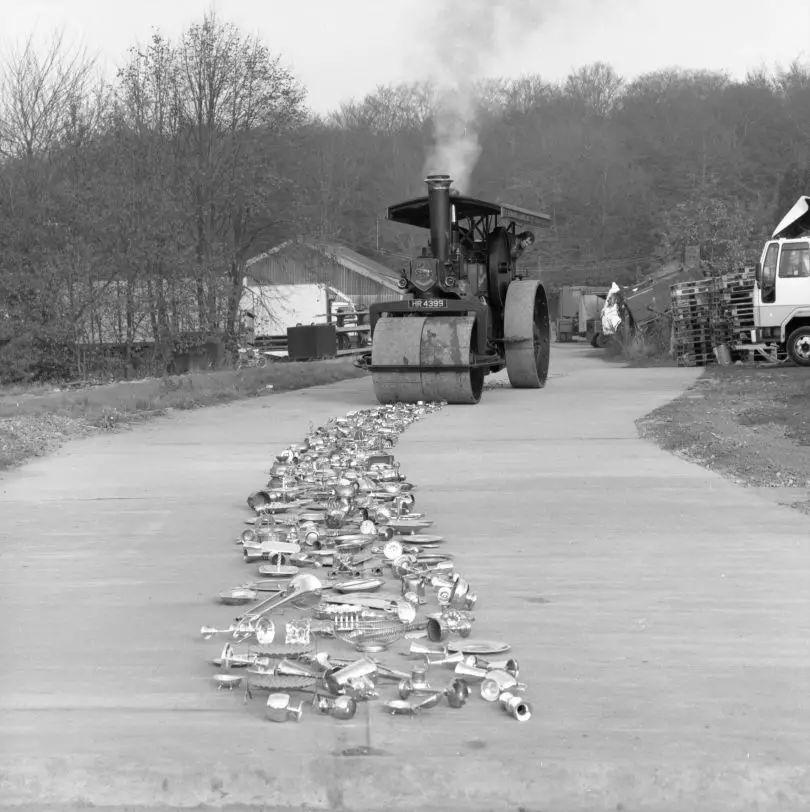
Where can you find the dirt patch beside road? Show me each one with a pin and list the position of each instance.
(36, 422)
(751, 424)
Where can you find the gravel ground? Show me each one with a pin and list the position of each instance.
(751, 424)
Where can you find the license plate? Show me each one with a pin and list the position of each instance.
(427, 304)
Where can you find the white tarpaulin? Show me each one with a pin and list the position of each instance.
(795, 221)
(611, 319)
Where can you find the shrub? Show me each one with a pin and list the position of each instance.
(643, 345)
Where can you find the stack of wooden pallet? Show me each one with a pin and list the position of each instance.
(734, 307)
(692, 304)
(710, 313)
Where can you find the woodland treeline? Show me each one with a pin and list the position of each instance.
(151, 191)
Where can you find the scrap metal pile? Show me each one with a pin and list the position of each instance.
(337, 539)
(710, 313)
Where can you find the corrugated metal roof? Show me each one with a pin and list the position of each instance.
(351, 260)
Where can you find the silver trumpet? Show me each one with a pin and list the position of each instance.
(303, 591)
(470, 672)
(260, 628)
(421, 650)
(445, 659)
(497, 682)
(229, 659)
(510, 665)
(356, 679)
(326, 663)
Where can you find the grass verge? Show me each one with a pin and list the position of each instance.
(647, 346)
(751, 424)
(36, 422)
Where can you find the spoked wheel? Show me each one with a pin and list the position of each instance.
(527, 334)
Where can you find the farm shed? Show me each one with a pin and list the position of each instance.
(297, 262)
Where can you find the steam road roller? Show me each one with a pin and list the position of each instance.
(467, 311)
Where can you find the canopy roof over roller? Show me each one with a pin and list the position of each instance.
(416, 212)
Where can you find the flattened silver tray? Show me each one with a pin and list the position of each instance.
(270, 682)
(282, 650)
(238, 596)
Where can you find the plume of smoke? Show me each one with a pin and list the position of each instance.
(466, 39)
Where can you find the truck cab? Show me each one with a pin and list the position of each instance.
(782, 286)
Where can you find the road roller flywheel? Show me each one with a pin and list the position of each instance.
(414, 349)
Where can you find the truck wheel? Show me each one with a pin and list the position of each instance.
(798, 346)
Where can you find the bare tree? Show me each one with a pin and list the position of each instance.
(41, 93)
(389, 109)
(209, 114)
(597, 86)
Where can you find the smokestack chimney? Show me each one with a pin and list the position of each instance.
(439, 204)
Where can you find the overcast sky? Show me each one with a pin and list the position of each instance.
(344, 48)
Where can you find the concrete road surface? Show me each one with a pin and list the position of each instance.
(660, 615)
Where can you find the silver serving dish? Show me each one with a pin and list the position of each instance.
(277, 571)
(227, 681)
(359, 585)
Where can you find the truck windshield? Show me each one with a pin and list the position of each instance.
(795, 261)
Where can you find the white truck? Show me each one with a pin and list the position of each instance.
(268, 310)
(782, 287)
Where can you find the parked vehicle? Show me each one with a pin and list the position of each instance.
(782, 286)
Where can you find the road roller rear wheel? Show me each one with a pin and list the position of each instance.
(527, 334)
(410, 343)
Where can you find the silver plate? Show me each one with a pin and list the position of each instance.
(437, 558)
(478, 646)
(402, 527)
(418, 538)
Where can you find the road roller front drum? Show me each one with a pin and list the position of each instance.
(415, 348)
